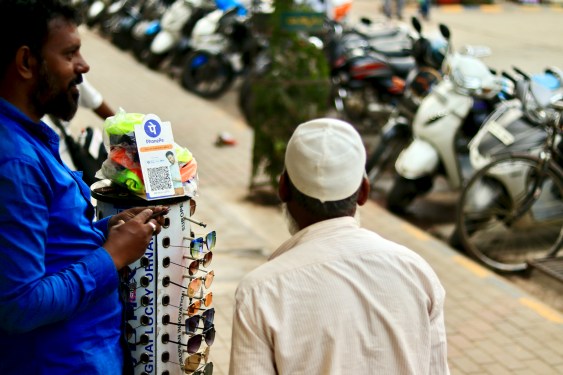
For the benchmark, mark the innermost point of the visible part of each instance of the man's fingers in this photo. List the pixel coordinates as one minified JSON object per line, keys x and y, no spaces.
{"x":144,"y":216}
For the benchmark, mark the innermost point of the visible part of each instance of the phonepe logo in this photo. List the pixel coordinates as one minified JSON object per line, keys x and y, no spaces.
{"x":152,"y":128}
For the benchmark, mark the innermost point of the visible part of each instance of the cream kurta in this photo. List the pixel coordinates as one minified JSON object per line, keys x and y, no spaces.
{"x":338,"y":299}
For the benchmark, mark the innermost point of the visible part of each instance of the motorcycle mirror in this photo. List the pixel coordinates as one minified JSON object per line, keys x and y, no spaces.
{"x":366,"y":21}
{"x":445,"y":31}
{"x":508,"y":76}
{"x":519,"y":71}
{"x":416,"y":24}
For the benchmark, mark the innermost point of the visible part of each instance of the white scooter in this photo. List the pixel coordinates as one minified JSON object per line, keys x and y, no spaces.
{"x":174,"y":20}
{"x":443,"y":124}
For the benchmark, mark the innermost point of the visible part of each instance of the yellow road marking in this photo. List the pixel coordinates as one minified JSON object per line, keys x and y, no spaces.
{"x":491,"y":8}
{"x":545,"y":311}
{"x":421,"y":235}
{"x":468,"y":264}
{"x":452,"y":8}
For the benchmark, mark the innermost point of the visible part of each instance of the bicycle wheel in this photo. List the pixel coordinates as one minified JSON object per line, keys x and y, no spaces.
{"x":499,"y":221}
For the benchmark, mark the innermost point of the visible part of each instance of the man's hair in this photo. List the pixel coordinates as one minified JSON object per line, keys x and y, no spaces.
{"x":326,"y":210}
{"x":25,"y":23}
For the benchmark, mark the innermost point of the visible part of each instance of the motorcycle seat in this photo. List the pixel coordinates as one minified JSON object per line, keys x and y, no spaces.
{"x":401,"y":66}
{"x":526,"y":137}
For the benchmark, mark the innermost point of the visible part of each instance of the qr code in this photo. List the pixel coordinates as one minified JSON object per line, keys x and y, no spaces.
{"x":160,"y":178}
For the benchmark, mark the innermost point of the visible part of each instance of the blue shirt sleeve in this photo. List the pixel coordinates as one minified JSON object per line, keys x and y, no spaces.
{"x":102,"y":225}
{"x":30,"y":296}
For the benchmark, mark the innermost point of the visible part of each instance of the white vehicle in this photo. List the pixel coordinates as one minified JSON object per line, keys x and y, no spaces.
{"x":172,"y":25}
{"x":510,"y":212}
{"x":444,"y":122}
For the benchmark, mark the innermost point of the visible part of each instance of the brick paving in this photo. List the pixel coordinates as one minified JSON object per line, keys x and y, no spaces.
{"x":493,"y":326}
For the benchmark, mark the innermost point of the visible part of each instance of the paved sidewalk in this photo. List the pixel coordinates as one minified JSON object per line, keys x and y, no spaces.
{"x":493,"y":327}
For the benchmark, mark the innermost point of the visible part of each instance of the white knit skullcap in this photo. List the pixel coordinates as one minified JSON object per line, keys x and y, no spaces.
{"x":325,"y":159}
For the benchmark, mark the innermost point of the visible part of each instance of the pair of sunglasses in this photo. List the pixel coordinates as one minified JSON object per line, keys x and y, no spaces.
{"x":196,"y":244}
{"x":193,"y":266}
{"x":193,"y":362}
{"x":195,"y":284}
{"x":191,"y":324}
{"x":194,"y":342}
{"x":195,"y":306}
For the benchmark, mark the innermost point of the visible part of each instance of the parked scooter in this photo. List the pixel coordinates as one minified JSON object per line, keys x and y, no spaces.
{"x":96,"y":12}
{"x":177,"y":20}
{"x":447,"y":118}
{"x":222,"y":44}
{"x":146,"y":29}
{"x":396,"y":134}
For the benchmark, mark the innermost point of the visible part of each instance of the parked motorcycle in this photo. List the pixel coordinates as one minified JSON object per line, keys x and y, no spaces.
{"x":396,"y":134}
{"x":222,"y":45}
{"x":447,"y":118}
{"x":177,"y":21}
{"x":368,"y":72}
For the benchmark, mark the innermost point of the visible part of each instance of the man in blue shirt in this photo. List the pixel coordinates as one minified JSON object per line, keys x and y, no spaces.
{"x":60,"y":311}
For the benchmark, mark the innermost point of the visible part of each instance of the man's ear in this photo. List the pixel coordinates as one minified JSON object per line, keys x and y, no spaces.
{"x":365,"y":188}
{"x":283,"y":188}
{"x":25,"y":62}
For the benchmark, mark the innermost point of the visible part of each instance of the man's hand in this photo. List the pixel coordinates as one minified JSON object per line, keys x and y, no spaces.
{"x":125,"y":216}
{"x":130,"y":235}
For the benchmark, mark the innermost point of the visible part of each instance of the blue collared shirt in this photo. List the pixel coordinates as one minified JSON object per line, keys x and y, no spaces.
{"x":59,"y":305}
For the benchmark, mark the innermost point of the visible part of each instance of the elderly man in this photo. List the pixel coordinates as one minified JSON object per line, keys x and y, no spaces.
{"x":336,"y":298}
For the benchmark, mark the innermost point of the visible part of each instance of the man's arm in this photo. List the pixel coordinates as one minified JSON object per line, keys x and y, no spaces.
{"x":28,"y":297}
{"x":250,"y":351}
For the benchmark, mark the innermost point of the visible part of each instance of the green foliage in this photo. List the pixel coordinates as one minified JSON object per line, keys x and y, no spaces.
{"x":294,"y":90}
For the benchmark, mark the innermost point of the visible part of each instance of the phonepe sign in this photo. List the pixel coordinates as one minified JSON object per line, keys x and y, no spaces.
{"x":152,"y":127}
{"x":154,"y":139}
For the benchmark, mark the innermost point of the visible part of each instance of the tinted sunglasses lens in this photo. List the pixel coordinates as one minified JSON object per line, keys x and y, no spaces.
{"x":208,"y":369}
{"x":193,"y":206}
{"x":194,"y":267}
{"x":196,"y":248}
{"x":191,"y":324}
{"x":194,"y":287}
{"x":208,"y":317}
{"x":207,"y":258}
{"x":192,"y":363}
{"x":208,"y":299}
{"x":210,"y":336}
{"x":210,"y":240}
{"x":194,"y":343}
{"x":209,"y":279}
{"x":194,"y":307}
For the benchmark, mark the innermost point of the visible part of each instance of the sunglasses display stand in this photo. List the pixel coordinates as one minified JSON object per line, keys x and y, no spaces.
{"x":151,"y":286}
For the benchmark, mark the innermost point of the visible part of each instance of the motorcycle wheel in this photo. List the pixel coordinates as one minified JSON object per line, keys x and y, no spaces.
{"x":207,"y":74}
{"x":404,"y":191}
{"x":486,"y":219}
{"x":350,"y":102}
{"x":154,"y":60}
{"x":382,"y":160}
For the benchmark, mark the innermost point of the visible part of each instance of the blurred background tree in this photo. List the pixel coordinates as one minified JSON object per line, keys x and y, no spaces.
{"x":294,"y":89}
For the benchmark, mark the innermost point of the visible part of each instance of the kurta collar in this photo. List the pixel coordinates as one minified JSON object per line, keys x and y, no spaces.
{"x":317,"y":230}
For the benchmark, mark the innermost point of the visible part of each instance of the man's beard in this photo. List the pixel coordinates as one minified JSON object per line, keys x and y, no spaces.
{"x":52,"y":99}
{"x":290,"y":222}
{"x":292,"y":225}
